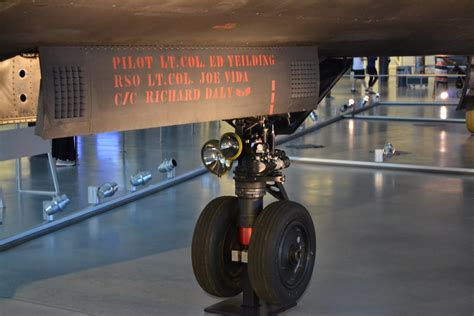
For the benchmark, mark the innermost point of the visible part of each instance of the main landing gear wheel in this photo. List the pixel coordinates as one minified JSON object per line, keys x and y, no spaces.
{"x":282,"y":253}
{"x":215,"y":236}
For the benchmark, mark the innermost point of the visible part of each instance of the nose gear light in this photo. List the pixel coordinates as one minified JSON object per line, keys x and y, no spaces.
{"x":213,"y":159}
{"x":231,"y":146}
{"x":218,"y":155}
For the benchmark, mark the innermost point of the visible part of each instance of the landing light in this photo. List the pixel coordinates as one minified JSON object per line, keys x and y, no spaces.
{"x":230,"y":146}
{"x":351,"y":102}
{"x":218,"y":155}
{"x":213,"y":158}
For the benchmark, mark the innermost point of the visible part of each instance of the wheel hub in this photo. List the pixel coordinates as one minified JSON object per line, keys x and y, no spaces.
{"x":293,"y":255}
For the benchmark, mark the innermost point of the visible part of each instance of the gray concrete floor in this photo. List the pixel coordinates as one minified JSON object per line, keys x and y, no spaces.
{"x":438,"y":144}
{"x":389,"y":243}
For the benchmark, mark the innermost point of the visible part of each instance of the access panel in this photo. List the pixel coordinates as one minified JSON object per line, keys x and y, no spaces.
{"x":101,"y":89}
{"x":19,"y":87}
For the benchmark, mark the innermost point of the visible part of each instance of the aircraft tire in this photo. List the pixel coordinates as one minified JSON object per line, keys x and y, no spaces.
{"x":215,"y":235}
{"x":282,"y":252}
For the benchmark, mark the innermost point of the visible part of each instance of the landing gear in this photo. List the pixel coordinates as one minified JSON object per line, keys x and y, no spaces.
{"x":282,"y":252}
{"x":239,"y":246}
{"x":215,"y":236}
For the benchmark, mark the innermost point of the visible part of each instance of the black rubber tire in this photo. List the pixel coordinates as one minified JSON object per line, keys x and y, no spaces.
{"x":215,"y":235}
{"x":284,"y":229}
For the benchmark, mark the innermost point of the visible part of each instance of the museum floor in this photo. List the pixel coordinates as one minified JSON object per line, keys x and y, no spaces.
{"x":389,"y":242}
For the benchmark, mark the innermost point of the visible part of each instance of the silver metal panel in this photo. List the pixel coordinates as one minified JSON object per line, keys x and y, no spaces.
{"x":125,"y":88}
{"x":19,"y":89}
{"x":23,"y":142}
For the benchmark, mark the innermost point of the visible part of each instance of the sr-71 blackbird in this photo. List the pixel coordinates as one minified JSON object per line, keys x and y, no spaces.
{"x":86,"y":67}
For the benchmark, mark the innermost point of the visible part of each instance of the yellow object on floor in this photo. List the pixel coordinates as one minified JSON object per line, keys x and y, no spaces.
{"x":470,"y":120}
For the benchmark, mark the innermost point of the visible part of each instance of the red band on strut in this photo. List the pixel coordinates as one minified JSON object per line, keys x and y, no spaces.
{"x":244,"y":235}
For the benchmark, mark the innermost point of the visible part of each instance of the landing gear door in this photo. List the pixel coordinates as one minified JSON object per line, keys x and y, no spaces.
{"x":103,"y":89}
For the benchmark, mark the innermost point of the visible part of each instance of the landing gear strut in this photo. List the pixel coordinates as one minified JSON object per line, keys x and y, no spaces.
{"x":240,"y":246}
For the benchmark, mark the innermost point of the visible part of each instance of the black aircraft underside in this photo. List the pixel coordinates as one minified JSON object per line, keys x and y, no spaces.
{"x":337,"y":27}
{"x":261,"y":65}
